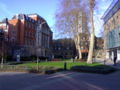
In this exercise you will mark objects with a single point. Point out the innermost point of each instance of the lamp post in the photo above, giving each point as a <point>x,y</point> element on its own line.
<point>38,50</point>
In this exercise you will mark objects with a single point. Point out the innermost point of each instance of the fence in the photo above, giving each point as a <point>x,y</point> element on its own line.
<point>29,69</point>
<point>13,68</point>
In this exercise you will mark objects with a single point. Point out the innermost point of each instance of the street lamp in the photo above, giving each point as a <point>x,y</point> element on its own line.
<point>39,28</point>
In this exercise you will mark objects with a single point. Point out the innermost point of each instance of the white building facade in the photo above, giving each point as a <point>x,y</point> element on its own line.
<point>112,31</point>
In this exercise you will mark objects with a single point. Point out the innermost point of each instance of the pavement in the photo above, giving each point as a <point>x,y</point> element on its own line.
<point>59,81</point>
<point>107,62</point>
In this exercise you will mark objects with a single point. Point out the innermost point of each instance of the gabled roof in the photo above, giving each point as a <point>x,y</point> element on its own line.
<point>23,16</point>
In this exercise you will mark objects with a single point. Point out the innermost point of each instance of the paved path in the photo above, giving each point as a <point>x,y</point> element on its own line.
<point>59,81</point>
<point>108,62</point>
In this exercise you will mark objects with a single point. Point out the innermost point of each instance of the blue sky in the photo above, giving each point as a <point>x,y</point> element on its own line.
<point>46,9</point>
<point>100,9</point>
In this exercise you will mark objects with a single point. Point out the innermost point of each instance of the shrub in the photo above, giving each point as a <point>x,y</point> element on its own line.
<point>43,58</point>
<point>57,59</point>
<point>58,56</point>
<point>14,63</point>
<point>8,58</point>
<point>25,58</point>
<point>52,70</point>
<point>33,57</point>
<point>32,70</point>
<point>59,70</point>
<point>49,71</point>
<point>94,69</point>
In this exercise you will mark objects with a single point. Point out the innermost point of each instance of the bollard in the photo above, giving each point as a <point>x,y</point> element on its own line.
<point>104,61</point>
<point>65,66</point>
<point>37,63</point>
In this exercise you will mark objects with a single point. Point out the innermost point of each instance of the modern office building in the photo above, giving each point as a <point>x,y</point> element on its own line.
<point>22,30</point>
<point>112,30</point>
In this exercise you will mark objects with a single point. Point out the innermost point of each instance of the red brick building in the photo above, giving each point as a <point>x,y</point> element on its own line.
<point>22,33</point>
<point>22,30</point>
<point>43,36</point>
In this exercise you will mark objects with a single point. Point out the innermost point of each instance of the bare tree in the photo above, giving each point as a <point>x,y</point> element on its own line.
<point>68,20</point>
<point>92,34</point>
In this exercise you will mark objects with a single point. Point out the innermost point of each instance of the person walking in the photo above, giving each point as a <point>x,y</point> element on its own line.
<point>115,59</point>
<point>65,66</point>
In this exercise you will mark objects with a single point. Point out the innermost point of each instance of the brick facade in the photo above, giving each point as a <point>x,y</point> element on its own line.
<point>22,34</point>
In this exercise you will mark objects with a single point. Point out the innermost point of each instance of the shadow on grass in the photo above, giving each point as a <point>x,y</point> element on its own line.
<point>99,69</point>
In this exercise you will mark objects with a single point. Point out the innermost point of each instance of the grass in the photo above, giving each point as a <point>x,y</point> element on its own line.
<point>59,64</point>
<point>56,66</point>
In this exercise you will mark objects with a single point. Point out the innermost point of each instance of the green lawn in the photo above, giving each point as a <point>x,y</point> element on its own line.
<point>59,64</point>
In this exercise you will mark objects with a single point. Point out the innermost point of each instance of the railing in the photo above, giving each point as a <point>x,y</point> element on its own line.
<point>22,68</point>
<point>13,68</point>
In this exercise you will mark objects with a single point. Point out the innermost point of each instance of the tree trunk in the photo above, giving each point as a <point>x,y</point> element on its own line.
<point>79,53</point>
<point>91,46</point>
<point>2,62</point>
<point>77,44</point>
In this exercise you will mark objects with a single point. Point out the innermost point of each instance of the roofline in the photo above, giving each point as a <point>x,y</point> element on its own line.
<point>36,14</point>
<point>111,6</point>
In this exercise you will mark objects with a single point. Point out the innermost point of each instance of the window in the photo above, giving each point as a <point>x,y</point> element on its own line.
<point>59,48</point>
<point>81,43</point>
<point>27,18</point>
<point>6,37</point>
<point>26,24</point>
<point>82,48</point>
<point>28,42</point>
<point>13,35</point>
<point>29,25</point>
<point>86,43</point>
<point>67,48</point>
<point>26,34</point>
<point>29,34</point>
